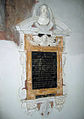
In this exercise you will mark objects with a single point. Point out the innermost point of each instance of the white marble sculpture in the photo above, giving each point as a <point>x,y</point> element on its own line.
<point>43,18</point>
<point>43,21</point>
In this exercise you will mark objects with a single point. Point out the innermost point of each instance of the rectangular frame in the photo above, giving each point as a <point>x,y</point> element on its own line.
<point>31,94</point>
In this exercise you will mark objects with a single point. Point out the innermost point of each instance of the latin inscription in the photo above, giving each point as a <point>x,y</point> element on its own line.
<point>44,70</point>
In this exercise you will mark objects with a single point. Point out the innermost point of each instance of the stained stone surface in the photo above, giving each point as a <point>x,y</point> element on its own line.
<point>44,70</point>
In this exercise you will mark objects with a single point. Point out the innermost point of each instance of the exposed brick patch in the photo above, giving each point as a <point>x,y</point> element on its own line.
<point>10,36</point>
<point>2,35</point>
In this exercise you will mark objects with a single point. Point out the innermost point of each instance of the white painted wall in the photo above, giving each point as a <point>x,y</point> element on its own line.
<point>71,12</point>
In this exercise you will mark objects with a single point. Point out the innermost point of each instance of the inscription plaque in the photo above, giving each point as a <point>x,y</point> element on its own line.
<point>44,70</point>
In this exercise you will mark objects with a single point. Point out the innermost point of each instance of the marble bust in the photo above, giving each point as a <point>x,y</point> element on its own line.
<point>43,18</point>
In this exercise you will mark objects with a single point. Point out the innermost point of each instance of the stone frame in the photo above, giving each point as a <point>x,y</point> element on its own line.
<point>32,93</point>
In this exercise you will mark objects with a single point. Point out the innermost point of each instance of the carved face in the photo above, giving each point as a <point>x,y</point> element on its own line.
<point>43,10</point>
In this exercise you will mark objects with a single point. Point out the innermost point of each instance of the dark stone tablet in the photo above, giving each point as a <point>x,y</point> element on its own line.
<point>44,70</point>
